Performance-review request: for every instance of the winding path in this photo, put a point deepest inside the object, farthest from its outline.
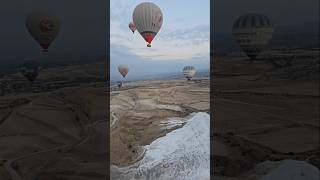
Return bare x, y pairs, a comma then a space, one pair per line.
36, 171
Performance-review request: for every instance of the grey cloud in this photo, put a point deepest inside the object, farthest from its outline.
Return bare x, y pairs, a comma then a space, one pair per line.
196, 34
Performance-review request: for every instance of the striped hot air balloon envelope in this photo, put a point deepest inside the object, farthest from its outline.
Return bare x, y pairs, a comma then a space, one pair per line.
148, 19
189, 72
252, 32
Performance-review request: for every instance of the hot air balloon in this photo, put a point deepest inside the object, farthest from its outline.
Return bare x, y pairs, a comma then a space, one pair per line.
148, 18
132, 27
119, 83
189, 72
30, 69
123, 69
43, 27
252, 32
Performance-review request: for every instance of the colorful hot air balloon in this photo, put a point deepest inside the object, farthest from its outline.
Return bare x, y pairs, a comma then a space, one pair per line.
148, 18
30, 69
132, 27
123, 69
252, 32
189, 72
43, 27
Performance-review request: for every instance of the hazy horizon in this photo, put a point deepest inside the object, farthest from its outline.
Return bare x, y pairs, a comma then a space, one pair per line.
175, 74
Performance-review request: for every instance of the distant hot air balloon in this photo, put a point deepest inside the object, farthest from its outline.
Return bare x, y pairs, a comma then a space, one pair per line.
43, 27
30, 69
119, 83
132, 27
252, 32
123, 69
148, 18
189, 72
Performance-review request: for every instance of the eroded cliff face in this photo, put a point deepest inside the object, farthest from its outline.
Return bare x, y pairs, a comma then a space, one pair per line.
138, 111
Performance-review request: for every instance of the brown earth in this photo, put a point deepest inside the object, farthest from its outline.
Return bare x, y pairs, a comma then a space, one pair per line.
263, 112
138, 109
54, 133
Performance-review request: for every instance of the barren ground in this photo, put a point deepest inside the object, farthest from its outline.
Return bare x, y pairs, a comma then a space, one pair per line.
264, 113
138, 110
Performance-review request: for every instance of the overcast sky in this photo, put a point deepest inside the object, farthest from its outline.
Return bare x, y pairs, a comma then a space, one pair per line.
183, 39
281, 12
82, 31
